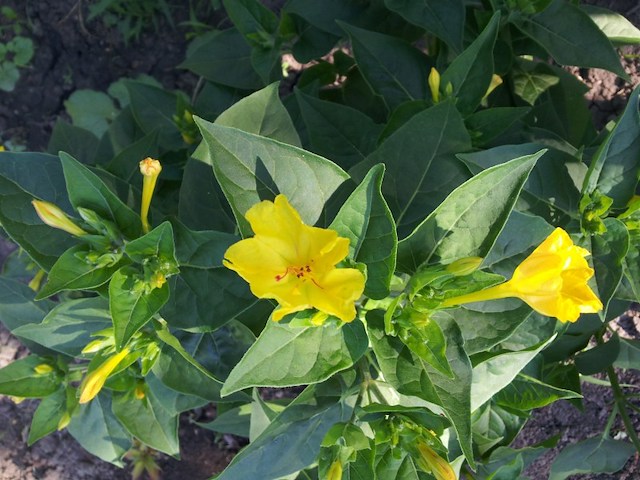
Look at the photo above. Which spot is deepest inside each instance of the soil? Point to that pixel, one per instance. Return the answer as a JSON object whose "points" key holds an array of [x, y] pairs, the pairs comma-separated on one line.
{"points": [[73, 53]]}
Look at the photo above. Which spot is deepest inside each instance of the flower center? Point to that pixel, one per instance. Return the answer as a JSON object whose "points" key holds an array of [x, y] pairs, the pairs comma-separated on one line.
{"points": [[303, 272]]}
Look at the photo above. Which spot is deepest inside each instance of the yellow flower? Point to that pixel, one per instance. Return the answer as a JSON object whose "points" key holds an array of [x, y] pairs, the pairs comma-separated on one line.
{"points": [[150, 169], [53, 216], [294, 264], [94, 382], [433, 463], [335, 471], [552, 281]]}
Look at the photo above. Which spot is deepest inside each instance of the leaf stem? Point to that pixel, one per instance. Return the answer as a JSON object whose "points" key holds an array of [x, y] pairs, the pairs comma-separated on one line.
{"points": [[621, 402]]}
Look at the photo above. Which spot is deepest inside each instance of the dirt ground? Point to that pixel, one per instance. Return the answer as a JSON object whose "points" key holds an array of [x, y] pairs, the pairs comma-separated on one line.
{"points": [[73, 53]]}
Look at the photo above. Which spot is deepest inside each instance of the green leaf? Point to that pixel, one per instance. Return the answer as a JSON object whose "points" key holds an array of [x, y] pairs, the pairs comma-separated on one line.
{"points": [[251, 168], [158, 243], [426, 340], [394, 69], [74, 271], [618, 29], [17, 305], [398, 466], [615, 167], [20, 379], [594, 455], [69, 326], [532, 79], [485, 125], [154, 109], [131, 303], [444, 19], [87, 190], [412, 376], [126, 164], [470, 72], [337, 132], [149, 421], [470, 219], [91, 110], [96, 428], [235, 422], [262, 113], [421, 164], [492, 375], [550, 191], [365, 219], [527, 393], [598, 358], [275, 360], [9, 76], [174, 402], [47, 415], [23, 50], [570, 37], [223, 57], [629, 354], [78, 142], [292, 440], [494, 425], [250, 17], [608, 251], [205, 295]]}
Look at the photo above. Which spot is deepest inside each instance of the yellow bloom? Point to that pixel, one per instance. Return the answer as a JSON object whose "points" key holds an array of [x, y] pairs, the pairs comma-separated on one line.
{"points": [[150, 169], [552, 281], [433, 463], [56, 218], [294, 264], [335, 471], [94, 382]]}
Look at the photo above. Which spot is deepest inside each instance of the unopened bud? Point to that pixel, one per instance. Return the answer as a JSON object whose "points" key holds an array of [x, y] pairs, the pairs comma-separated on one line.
{"points": [[496, 81], [35, 282], [335, 471], [43, 369], [95, 346], [464, 266], [150, 169], [53, 216], [434, 84], [94, 381], [64, 421], [433, 463], [139, 392]]}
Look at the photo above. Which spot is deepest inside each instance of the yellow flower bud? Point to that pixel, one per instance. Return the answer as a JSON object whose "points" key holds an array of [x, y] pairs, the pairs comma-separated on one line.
{"points": [[43, 369], [433, 463], [17, 400], [157, 280], [139, 392], [496, 81], [150, 169], [64, 421], [95, 345], [464, 266], [35, 282], [335, 471], [94, 381], [56, 218], [434, 84], [2, 149]]}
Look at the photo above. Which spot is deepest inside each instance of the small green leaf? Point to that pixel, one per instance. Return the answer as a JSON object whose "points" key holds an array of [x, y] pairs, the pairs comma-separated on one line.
{"points": [[527, 393], [530, 80], [365, 219], [47, 415], [132, 303], [20, 379], [598, 358], [91, 110], [629, 354], [158, 243], [274, 359]]}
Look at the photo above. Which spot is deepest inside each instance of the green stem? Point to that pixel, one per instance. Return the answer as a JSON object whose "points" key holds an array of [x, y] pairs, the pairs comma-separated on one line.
{"points": [[621, 402]]}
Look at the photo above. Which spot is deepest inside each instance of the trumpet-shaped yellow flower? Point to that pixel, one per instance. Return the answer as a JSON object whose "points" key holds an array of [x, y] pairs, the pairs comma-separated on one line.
{"points": [[94, 382], [150, 170], [294, 263], [433, 463], [552, 281]]}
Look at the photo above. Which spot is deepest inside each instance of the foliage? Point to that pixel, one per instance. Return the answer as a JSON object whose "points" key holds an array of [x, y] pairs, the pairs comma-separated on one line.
{"points": [[437, 137], [16, 50]]}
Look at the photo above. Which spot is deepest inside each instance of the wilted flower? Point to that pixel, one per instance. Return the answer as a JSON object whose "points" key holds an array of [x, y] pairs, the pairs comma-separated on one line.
{"points": [[294, 263], [552, 281]]}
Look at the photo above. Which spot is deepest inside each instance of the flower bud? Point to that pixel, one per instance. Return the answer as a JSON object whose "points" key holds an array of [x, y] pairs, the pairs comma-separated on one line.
{"points": [[157, 280], [433, 463], [434, 84], [496, 81], [56, 218], [64, 421], [150, 169], [94, 381], [464, 266], [335, 471], [43, 369], [139, 392], [35, 282]]}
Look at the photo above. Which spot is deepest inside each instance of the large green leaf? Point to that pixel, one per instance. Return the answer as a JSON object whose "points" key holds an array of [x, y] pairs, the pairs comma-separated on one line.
{"points": [[337, 132], [17, 305], [20, 379], [444, 19], [486, 125], [251, 168], [594, 455], [68, 327], [394, 69], [73, 271], [223, 57], [205, 295], [78, 142], [570, 37], [365, 219], [470, 219], [149, 421], [292, 440], [618, 29], [410, 375], [470, 72], [609, 250], [550, 191], [421, 164], [126, 164], [86, 190], [96, 428], [492, 375], [527, 393], [276, 360], [132, 304], [615, 168]]}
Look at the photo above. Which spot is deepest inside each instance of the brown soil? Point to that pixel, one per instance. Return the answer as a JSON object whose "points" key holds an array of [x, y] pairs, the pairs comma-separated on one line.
{"points": [[73, 54]]}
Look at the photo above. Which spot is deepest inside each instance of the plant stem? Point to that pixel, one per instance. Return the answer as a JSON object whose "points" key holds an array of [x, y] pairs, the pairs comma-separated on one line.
{"points": [[621, 402]]}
